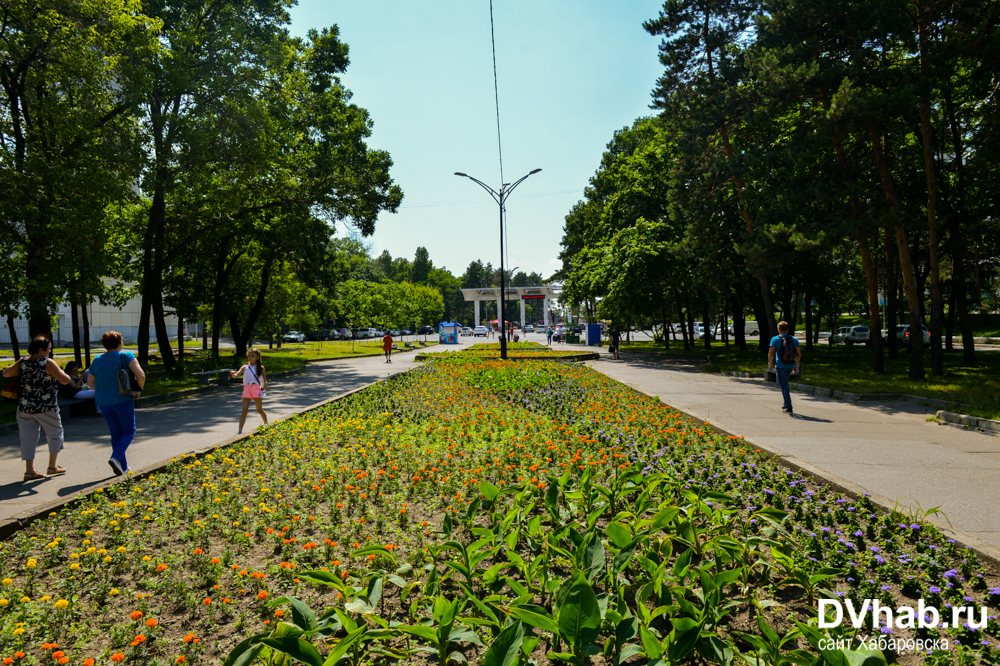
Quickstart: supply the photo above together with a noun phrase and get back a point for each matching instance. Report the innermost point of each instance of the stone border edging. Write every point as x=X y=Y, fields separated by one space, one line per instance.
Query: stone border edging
x=825 y=392
x=20 y=521
x=970 y=421
x=982 y=549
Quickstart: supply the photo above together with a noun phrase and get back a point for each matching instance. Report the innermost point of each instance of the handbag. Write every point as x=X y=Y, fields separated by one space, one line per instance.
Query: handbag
x=12 y=389
x=263 y=394
x=127 y=383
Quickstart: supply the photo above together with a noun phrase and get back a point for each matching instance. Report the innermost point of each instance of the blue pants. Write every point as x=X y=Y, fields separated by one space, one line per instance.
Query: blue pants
x=121 y=422
x=783 y=374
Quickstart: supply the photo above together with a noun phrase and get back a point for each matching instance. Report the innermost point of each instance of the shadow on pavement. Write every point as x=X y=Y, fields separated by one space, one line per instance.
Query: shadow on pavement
x=802 y=417
x=680 y=362
x=20 y=489
x=69 y=490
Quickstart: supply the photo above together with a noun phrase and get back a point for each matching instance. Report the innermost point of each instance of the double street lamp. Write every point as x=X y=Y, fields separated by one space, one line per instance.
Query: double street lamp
x=501 y=199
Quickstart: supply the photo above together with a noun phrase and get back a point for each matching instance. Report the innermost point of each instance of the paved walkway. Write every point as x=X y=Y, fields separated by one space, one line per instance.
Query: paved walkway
x=167 y=430
x=886 y=448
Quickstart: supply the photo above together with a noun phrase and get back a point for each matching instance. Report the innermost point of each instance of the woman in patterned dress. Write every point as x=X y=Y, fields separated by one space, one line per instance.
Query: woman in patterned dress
x=37 y=406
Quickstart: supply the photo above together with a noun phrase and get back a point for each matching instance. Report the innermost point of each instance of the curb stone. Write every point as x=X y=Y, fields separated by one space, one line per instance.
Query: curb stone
x=970 y=421
x=823 y=391
x=17 y=523
x=983 y=550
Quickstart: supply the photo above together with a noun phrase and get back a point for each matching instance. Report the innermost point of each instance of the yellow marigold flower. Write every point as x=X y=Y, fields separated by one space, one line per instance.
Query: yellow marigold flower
x=32 y=563
x=74 y=566
x=8 y=581
x=113 y=591
x=146 y=558
x=19 y=631
x=108 y=559
x=120 y=549
x=61 y=604
x=3 y=602
x=89 y=533
x=25 y=600
x=113 y=523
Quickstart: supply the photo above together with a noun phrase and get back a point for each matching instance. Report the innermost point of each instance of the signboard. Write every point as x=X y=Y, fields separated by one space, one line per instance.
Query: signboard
x=533 y=297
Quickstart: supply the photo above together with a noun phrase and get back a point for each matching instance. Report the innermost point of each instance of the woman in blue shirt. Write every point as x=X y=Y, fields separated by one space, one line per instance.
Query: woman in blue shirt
x=118 y=409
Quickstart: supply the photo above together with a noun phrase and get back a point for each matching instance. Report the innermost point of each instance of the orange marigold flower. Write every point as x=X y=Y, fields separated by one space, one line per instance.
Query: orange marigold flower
x=58 y=654
x=215 y=560
x=136 y=615
x=151 y=622
x=207 y=601
x=189 y=638
x=160 y=568
x=88 y=662
x=140 y=639
x=21 y=655
x=279 y=613
x=198 y=551
x=262 y=595
x=117 y=657
x=63 y=660
x=180 y=660
x=8 y=661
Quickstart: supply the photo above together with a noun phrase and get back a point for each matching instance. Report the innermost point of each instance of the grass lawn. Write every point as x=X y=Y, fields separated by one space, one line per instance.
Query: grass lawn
x=983 y=326
x=848 y=368
x=472 y=511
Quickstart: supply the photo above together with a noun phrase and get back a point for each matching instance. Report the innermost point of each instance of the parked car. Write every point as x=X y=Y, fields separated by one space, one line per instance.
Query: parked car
x=394 y=333
x=407 y=331
x=465 y=330
x=529 y=329
x=319 y=334
x=425 y=330
x=294 y=336
x=851 y=335
x=342 y=334
x=903 y=335
x=480 y=331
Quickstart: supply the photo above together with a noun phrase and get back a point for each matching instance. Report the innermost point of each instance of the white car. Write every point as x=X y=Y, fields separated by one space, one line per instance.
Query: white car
x=529 y=329
x=850 y=335
x=480 y=330
x=293 y=336
x=465 y=331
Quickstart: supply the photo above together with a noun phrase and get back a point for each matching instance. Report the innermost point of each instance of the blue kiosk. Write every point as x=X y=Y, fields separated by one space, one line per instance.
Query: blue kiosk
x=448 y=333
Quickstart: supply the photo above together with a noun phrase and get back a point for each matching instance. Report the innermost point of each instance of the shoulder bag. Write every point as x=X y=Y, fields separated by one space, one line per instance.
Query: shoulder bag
x=12 y=389
x=127 y=383
x=263 y=394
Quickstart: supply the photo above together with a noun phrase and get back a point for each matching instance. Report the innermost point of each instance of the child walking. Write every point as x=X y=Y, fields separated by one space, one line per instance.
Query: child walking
x=254 y=385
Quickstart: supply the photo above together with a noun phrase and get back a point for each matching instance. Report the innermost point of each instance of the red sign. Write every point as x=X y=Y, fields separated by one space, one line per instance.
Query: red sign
x=533 y=297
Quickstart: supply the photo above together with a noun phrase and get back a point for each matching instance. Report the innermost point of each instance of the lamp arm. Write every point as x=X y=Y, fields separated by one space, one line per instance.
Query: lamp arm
x=493 y=193
x=507 y=190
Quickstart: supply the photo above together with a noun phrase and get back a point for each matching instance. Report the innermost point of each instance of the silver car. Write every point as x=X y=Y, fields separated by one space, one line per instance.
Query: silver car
x=850 y=335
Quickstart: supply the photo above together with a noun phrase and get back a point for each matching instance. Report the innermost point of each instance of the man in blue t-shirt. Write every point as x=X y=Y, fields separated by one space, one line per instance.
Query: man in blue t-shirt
x=781 y=364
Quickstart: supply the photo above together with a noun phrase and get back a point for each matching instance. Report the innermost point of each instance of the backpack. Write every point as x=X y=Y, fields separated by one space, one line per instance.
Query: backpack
x=787 y=351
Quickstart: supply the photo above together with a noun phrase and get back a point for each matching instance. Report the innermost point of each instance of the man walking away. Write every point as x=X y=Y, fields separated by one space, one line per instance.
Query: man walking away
x=784 y=357
x=387 y=347
x=548 y=334
x=616 y=339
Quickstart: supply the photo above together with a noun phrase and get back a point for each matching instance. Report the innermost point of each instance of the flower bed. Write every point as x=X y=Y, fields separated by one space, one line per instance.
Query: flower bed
x=475 y=509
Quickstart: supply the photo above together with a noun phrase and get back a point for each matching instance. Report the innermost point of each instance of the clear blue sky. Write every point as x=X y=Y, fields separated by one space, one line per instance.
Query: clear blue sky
x=570 y=73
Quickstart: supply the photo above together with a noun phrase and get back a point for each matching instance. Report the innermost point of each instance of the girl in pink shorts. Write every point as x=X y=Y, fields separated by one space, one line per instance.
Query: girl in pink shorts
x=254 y=385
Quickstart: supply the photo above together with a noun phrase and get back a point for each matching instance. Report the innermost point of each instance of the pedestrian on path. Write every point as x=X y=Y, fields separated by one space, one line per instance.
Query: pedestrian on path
x=548 y=335
x=784 y=357
x=117 y=408
x=387 y=347
x=254 y=386
x=616 y=339
x=38 y=405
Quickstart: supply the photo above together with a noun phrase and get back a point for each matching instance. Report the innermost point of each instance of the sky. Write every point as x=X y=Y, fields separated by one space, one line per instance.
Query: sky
x=569 y=74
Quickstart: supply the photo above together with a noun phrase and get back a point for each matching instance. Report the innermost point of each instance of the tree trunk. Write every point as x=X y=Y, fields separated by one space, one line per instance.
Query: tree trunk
x=874 y=320
x=204 y=335
x=739 y=321
x=664 y=323
x=75 y=321
x=160 y=323
x=906 y=266
x=809 y=321
x=707 y=324
x=180 y=337
x=84 y=307
x=949 y=335
x=927 y=136
x=690 y=326
x=13 y=337
x=819 y=319
x=154 y=226
x=959 y=283
x=890 y=296
x=680 y=318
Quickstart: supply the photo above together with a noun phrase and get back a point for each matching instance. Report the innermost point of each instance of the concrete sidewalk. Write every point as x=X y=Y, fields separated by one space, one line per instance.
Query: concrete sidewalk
x=164 y=431
x=886 y=448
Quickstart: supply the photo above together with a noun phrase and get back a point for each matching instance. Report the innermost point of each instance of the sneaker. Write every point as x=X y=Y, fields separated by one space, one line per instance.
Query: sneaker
x=239 y=432
x=116 y=466
x=786 y=408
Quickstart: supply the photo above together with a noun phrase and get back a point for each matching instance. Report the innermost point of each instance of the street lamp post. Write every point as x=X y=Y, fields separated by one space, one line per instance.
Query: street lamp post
x=501 y=199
